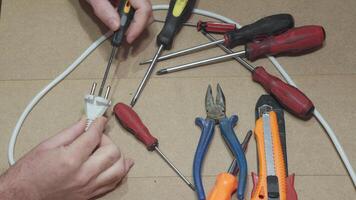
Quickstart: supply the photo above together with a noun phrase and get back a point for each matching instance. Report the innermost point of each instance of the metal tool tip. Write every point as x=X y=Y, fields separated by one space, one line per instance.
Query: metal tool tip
x=133 y=102
x=145 y=62
x=162 y=71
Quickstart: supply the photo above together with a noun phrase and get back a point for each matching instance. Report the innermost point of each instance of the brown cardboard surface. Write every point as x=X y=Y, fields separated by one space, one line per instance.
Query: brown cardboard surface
x=39 y=39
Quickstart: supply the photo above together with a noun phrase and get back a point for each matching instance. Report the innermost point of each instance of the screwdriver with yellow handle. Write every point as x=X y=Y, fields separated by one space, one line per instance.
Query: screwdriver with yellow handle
x=126 y=13
x=226 y=183
x=179 y=12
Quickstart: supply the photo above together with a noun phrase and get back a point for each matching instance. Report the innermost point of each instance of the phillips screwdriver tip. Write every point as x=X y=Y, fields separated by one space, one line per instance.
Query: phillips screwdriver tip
x=162 y=71
x=145 y=62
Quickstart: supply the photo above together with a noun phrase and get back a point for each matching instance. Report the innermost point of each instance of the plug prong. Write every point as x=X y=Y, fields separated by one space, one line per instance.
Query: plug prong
x=93 y=87
x=108 y=88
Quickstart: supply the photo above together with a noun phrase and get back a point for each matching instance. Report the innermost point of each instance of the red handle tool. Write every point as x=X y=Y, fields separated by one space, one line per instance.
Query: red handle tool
x=215 y=27
x=131 y=121
x=288 y=96
x=294 y=41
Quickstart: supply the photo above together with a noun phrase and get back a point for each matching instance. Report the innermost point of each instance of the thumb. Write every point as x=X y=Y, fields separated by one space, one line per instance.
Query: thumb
x=106 y=12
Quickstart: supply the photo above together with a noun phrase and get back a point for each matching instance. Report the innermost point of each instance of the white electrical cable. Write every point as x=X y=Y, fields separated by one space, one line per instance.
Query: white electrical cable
x=44 y=91
x=278 y=66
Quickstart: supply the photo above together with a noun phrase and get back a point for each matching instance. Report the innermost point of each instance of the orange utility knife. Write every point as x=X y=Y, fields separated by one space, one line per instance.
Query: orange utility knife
x=272 y=182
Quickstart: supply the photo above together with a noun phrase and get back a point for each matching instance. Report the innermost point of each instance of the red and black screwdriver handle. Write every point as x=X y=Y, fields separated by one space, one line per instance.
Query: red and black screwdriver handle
x=126 y=13
x=132 y=122
x=261 y=29
x=215 y=27
x=179 y=12
x=294 y=41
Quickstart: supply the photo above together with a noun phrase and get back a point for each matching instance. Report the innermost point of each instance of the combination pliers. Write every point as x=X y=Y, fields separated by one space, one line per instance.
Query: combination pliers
x=216 y=115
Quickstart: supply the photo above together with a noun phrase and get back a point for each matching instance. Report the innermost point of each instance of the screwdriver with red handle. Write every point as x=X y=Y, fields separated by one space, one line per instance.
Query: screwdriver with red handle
x=293 y=41
x=264 y=27
x=132 y=122
x=215 y=27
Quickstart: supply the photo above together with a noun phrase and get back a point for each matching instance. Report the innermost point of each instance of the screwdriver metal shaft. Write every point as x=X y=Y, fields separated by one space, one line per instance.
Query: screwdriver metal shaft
x=185 y=51
x=147 y=75
x=165 y=158
x=198 y=63
x=107 y=70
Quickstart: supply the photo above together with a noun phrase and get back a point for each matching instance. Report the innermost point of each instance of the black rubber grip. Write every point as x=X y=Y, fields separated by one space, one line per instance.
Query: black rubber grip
x=265 y=27
x=125 y=21
x=173 y=23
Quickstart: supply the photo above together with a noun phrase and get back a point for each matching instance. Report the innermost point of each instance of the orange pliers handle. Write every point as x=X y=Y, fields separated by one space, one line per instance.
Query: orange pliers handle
x=225 y=185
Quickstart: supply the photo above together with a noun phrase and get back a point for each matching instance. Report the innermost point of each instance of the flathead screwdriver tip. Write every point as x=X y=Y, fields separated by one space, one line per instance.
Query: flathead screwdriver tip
x=162 y=71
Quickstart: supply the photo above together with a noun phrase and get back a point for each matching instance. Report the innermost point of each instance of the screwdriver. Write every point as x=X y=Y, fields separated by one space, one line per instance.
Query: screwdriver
x=179 y=11
x=267 y=26
x=215 y=27
x=290 y=97
x=294 y=41
x=126 y=13
x=226 y=183
x=132 y=122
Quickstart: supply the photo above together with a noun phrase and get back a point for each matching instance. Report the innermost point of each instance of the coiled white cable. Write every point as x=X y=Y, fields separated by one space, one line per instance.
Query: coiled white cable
x=75 y=64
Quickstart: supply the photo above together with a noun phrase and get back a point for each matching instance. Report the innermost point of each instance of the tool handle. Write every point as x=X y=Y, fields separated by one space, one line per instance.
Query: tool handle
x=294 y=41
x=227 y=130
x=215 y=27
x=290 y=97
x=291 y=193
x=132 y=122
x=224 y=187
x=261 y=29
x=179 y=12
x=262 y=187
x=207 y=127
x=126 y=13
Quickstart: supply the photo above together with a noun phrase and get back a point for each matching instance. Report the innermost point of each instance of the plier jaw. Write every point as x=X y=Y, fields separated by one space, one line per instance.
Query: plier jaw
x=216 y=114
x=215 y=110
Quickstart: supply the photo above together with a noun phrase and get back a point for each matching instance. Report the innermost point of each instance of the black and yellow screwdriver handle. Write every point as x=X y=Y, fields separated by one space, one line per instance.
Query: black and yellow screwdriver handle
x=126 y=13
x=179 y=12
x=262 y=190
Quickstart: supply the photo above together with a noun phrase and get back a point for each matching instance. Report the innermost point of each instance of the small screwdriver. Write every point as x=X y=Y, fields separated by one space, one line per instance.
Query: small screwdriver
x=132 y=122
x=226 y=183
x=126 y=13
x=290 y=97
x=294 y=41
x=179 y=11
x=215 y=27
x=267 y=26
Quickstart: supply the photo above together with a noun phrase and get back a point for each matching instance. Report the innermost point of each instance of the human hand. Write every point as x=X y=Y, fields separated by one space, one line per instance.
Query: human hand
x=72 y=165
x=107 y=13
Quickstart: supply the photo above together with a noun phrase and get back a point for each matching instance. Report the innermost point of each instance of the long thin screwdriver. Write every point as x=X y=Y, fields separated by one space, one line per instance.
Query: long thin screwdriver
x=126 y=13
x=294 y=41
x=264 y=27
x=132 y=122
x=179 y=11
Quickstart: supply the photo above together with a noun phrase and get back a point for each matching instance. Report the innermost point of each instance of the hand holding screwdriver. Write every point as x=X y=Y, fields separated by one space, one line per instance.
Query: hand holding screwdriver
x=132 y=122
x=105 y=10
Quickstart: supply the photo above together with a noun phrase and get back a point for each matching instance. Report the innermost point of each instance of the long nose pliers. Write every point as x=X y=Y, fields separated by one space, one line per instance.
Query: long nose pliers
x=216 y=115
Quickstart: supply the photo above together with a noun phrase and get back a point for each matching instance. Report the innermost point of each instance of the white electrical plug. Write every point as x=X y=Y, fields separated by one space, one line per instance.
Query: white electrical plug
x=96 y=106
